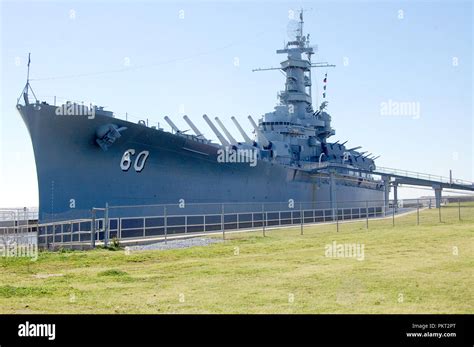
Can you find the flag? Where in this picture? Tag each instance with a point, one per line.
(325, 80)
(29, 59)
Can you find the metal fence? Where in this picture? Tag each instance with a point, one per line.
(18, 221)
(149, 223)
(18, 232)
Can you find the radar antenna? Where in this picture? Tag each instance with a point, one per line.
(298, 39)
(296, 68)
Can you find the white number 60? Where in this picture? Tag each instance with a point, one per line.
(126, 161)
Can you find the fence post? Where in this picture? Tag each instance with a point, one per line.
(106, 225)
(459, 208)
(222, 222)
(367, 215)
(417, 212)
(393, 213)
(301, 217)
(165, 221)
(439, 211)
(263, 219)
(54, 234)
(79, 232)
(93, 229)
(337, 218)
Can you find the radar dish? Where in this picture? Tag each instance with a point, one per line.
(293, 29)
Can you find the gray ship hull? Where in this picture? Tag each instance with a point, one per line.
(75, 174)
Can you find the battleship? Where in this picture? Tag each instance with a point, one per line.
(87, 157)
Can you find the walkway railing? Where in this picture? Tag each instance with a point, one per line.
(148, 223)
(419, 175)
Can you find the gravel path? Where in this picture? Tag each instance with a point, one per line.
(175, 244)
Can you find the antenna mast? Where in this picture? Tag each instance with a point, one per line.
(28, 73)
(27, 87)
(297, 70)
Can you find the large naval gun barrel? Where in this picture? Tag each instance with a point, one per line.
(242, 132)
(261, 137)
(214, 129)
(228, 134)
(172, 125)
(192, 126)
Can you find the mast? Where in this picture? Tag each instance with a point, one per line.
(27, 87)
(297, 71)
(28, 71)
(297, 95)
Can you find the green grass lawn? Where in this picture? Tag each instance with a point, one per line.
(406, 269)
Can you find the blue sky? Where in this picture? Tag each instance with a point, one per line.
(142, 58)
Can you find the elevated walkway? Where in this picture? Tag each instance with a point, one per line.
(395, 177)
(421, 179)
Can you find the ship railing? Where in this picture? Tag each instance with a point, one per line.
(58, 100)
(54, 100)
(319, 165)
